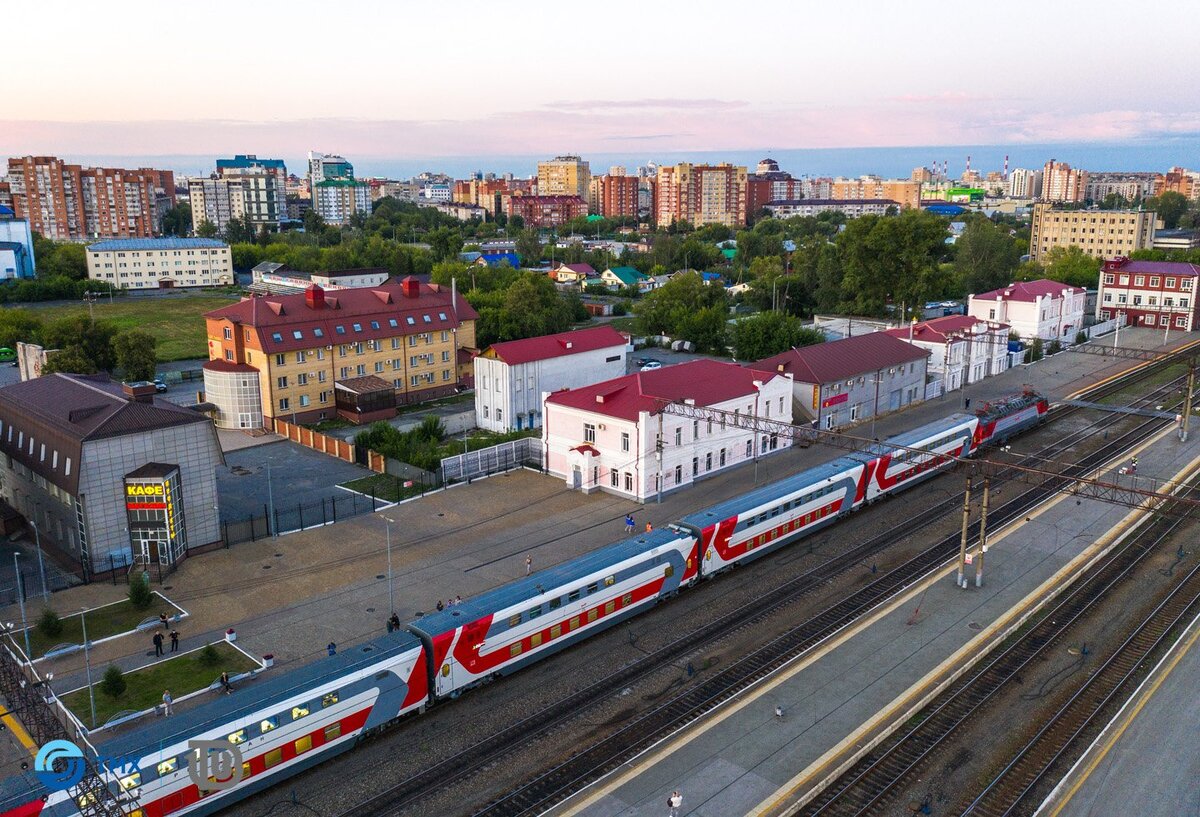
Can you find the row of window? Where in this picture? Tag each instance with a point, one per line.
(39, 448)
(340, 329)
(154, 253)
(302, 379)
(1140, 281)
(784, 507)
(1151, 300)
(1149, 320)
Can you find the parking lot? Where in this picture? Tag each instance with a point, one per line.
(666, 357)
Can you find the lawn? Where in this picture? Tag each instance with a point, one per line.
(144, 687)
(102, 622)
(177, 321)
(386, 488)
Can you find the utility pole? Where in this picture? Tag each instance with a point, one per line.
(1187, 402)
(37, 536)
(21, 598)
(391, 596)
(658, 455)
(982, 532)
(271, 525)
(87, 660)
(962, 548)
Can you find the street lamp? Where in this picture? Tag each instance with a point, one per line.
(21, 599)
(37, 538)
(87, 661)
(391, 596)
(271, 521)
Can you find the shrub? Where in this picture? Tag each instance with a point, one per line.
(209, 656)
(1054, 348)
(619, 309)
(139, 594)
(50, 625)
(1081, 336)
(1035, 350)
(113, 684)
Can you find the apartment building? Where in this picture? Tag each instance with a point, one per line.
(285, 356)
(1159, 294)
(700, 194)
(336, 200)
(545, 211)
(1129, 186)
(905, 191)
(1099, 233)
(614, 195)
(770, 184)
(1024, 183)
(1179, 180)
(485, 193)
(962, 349)
(851, 208)
(160, 263)
(1063, 185)
(564, 176)
(243, 187)
(69, 202)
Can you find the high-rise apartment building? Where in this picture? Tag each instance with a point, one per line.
(564, 176)
(1024, 183)
(905, 191)
(1129, 186)
(1102, 234)
(243, 187)
(1177, 179)
(1063, 185)
(336, 194)
(768, 183)
(322, 166)
(545, 211)
(69, 202)
(614, 195)
(701, 194)
(483, 193)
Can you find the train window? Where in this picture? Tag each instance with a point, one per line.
(573, 595)
(535, 640)
(131, 782)
(514, 650)
(333, 731)
(609, 581)
(86, 800)
(303, 744)
(137, 812)
(592, 615)
(237, 737)
(573, 623)
(669, 571)
(775, 512)
(329, 700)
(626, 599)
(445, 670)
(267, 724)
(556, 631)
(592, 588)
(609, 607)
(273, 758)
(535, 612)
(245, 770)
(513, 621)
(555, 604)
(299, 712)
(168, 766)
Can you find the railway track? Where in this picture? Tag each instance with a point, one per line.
(560, 781)
(871, 786)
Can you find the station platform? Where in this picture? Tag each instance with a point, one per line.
(1147, 760)
(842, 697)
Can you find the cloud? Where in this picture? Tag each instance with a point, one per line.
(663, 104)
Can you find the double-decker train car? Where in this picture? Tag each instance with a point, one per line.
(293, 721)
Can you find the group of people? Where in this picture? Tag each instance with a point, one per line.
(629, 524)
(454, 602)
(159, 640)
(168, 701)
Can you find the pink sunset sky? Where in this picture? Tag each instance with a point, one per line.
(473, 78)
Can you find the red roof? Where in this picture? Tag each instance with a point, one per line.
(842, 359)
(579, 269)
(287, 323)
(1028, 291)
(704, 381)
(228, 366)
(1153, 267)
(545, 347)
(939, 330)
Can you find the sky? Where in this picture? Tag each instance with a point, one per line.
(416, 80)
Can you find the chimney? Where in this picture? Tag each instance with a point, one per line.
(314, 296)
(410, 287)
(139, 391)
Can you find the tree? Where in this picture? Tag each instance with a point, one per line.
(533, 307)
(113, 684)
(50, 625)
(139, 594)
(668, 309)
(769, 333)
(66, 260)
(1169, 206)
(892, 259)
(1071, 265)
(72, 359)
(206, 229)
(313, 223)
(529, 247)
(178, 220)
(445, 242)
(239, 230)
(134, 352)
(94, 340)
(985, 257)
(18, 325)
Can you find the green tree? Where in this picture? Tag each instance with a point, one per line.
(1071, 265)
(94, 340)
(72, 359)
(49, 624)
(669, 309)
(769, 333)
(313, 223)
(707, 329)
(445, 242)
(18, 325)
(209, 656)
(529, 247)
(66, 260)
(532, 307)
(206, 229)
(892, 259)
(178, 220)
(139, 594)
(134, 352)
(239, 231)
(1113, 201)
(1170, 207)
(985, 257)
(113, 684)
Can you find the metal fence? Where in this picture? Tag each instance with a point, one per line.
(291, 518)
(493, 460)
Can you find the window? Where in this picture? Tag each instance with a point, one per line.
(132, 781)
(333, 731)
(281, 382)
(299, 712)
(679, 436)
(280, 360)
(615, 478)
(678, 474)
(589, 433)
(695, 466)
(514, 650)
(303, 744)
(357, 327)
(341, 330)
(273, 758)
(228, 333)
(284, 404)
(374, 324)
(237, 737)
(278, 338)
(499, 415)
(749, 448)
(534, 612)
(708, 461)
(1154, 280)
(318, 332)
(628, 481)
(624, 440)
(329, 700)
(392, 323)
(1108, 279)
(1170, 283)
(168, 766)
(267, 724)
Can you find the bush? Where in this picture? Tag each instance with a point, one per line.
(1054, 348)
(50, 625)
(1081, 336)
(209, 656)
(113, 684)
(139, 594)
(620, 309)
(1035, 351)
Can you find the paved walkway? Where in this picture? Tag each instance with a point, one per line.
(744, 760)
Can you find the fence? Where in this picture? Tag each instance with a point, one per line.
(328, 445)
(493, 460)
(292, 518)
(933, 389)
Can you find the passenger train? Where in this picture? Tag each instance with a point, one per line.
(284, 724)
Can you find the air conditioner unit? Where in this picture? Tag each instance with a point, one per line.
(601, 426)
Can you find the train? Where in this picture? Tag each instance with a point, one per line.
(282, 725)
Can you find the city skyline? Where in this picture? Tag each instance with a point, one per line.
(514, 84)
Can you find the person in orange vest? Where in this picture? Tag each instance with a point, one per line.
(649, 527)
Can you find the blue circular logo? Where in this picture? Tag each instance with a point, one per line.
(59, 765)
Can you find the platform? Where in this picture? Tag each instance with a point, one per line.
(742, 759)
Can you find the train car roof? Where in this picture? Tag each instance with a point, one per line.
(268, 689)
(920, 433)
(528, 587)
(766, 493)
(19, 789)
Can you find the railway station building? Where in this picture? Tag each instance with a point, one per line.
(962, 349)
(107, 473)
(1034, 309)
(1154, 294)
(606, 436)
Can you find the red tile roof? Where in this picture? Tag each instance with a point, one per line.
(1027, 291)
(842, 359)
(579, 269)
(1155, 267)
(939, 330)
(545, 347)
(278, 318)
(228, 366)
(707, 382)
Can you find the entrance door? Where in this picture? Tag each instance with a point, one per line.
(576, 477)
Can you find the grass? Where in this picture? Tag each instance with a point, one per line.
(330, 424)
(102, 622)
(626, 324)
(386, 487)
(464, 397)
(177, 321)
(144, 687)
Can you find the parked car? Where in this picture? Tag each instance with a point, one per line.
(642, 361)
(651, 365)
(159, 385)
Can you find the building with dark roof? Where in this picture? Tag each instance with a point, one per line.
(962, 349)
(1158, 294)
(851, 208)
(604, 436)
(843, 382)
(512, 377)
(288, 352)
(272, 278)
(78, 451)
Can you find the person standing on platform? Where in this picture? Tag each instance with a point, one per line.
(528, 565)
(649, 528)
(629, 523)
(674, 803)
(168, 703)
(174, 641)
(158, 642)
(162, 619)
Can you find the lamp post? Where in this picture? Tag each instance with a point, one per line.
(391, 597)
(87, 661)
(21, 599)
(271, 524)
(37, 538)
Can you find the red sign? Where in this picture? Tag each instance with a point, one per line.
(835, 400)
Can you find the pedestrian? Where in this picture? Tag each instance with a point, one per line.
(162, 618)
(389, 625)
(779, 712)
(528, 565)
(1133, 466)
(394, 621)
(174, 641)
(457, 600)
(331, 648)
(649, 527)
(158, 642)
(168, 703)
(629, 523)
(440, 606)
(674, 802)
(228, 687)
